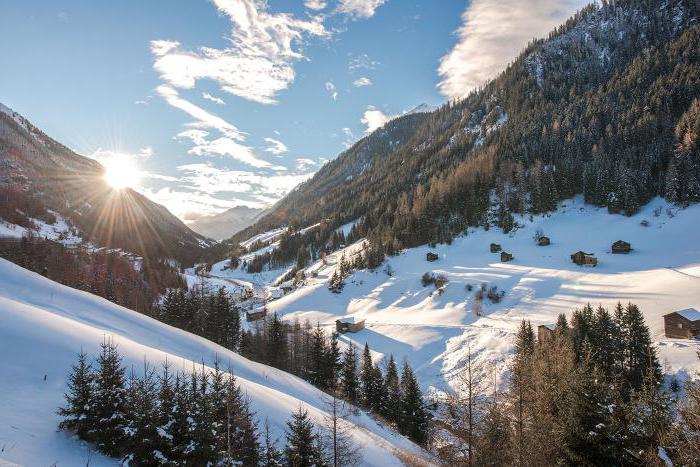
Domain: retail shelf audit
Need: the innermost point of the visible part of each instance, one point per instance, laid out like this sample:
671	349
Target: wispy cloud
358	9
364	81
330	87
257	65
493	32
361	62
214	99
374	118
276	146
315	4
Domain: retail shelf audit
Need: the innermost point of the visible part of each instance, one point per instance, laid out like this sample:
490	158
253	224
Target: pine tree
414	415
78	414
391	408
270	455
110	401
367	379
348	376
640	355
302	442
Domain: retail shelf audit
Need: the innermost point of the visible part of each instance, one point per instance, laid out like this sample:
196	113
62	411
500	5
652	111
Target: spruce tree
110	401
367	379
348	378
270	455
414	415
302	441
142	426
332	363
78	413
391	408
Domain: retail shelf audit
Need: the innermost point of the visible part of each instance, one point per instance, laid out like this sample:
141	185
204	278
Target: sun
121	174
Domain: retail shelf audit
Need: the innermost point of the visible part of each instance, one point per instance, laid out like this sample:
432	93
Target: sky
203	105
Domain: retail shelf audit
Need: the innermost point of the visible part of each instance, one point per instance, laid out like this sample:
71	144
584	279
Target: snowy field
43	326
434	331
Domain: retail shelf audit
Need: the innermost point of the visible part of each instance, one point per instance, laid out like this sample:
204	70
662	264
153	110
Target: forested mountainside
38	174
603	106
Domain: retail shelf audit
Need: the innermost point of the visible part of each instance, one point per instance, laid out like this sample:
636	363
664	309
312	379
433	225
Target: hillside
595	108
434	329
38	174
46	325
226	224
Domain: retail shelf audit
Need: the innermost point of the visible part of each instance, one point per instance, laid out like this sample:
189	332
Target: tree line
588	392
200	417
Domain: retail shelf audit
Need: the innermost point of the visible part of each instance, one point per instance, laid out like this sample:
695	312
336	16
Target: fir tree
270	455
367	378
78	414
302	442
391	408
414	415
110	401
348	378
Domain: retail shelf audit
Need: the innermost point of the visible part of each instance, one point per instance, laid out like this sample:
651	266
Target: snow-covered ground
434	331
43	326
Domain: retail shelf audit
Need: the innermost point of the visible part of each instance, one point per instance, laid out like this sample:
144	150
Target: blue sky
225	102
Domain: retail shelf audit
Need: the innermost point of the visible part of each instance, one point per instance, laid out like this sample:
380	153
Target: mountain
39	175
596	108
226	224
46	325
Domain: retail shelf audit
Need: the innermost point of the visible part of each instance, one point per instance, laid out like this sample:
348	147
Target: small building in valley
543	241
430	256
621	247
584	259
349	324
495	248
683	324
255	314
544	331
505	257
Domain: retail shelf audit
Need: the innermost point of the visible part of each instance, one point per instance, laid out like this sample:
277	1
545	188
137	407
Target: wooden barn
256	314
430	256
505	257
584	259
683	324
349	324
621	247
543	241
544	331
495	248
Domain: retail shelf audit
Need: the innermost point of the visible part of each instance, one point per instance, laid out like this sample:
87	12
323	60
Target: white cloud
330	87
364	81
492	34
374	118
276	146
214	99
102	155
357	9
304	164
349	139
222	146
258	63
362	61
315	4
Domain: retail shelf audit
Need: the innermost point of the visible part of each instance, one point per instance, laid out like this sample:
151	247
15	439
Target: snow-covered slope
43	326
432	330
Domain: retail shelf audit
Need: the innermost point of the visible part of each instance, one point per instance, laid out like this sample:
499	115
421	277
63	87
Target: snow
44	326
264	237
433	330
691	314
347	320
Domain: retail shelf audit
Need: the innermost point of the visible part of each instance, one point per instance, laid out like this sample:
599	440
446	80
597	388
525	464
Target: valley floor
434	331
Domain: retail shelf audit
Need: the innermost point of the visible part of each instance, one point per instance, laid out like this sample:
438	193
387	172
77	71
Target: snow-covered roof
347	320
551	326
691	314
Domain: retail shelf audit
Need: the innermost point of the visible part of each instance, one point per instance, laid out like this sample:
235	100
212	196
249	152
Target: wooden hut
621	247
544	331
256	314
584	259
349	324
543	241
505	257
682	324
430	256
495	248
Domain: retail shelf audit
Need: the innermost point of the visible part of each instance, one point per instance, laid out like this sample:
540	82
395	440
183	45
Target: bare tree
338	438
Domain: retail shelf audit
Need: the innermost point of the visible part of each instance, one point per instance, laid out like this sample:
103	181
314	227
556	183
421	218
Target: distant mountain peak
421	108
